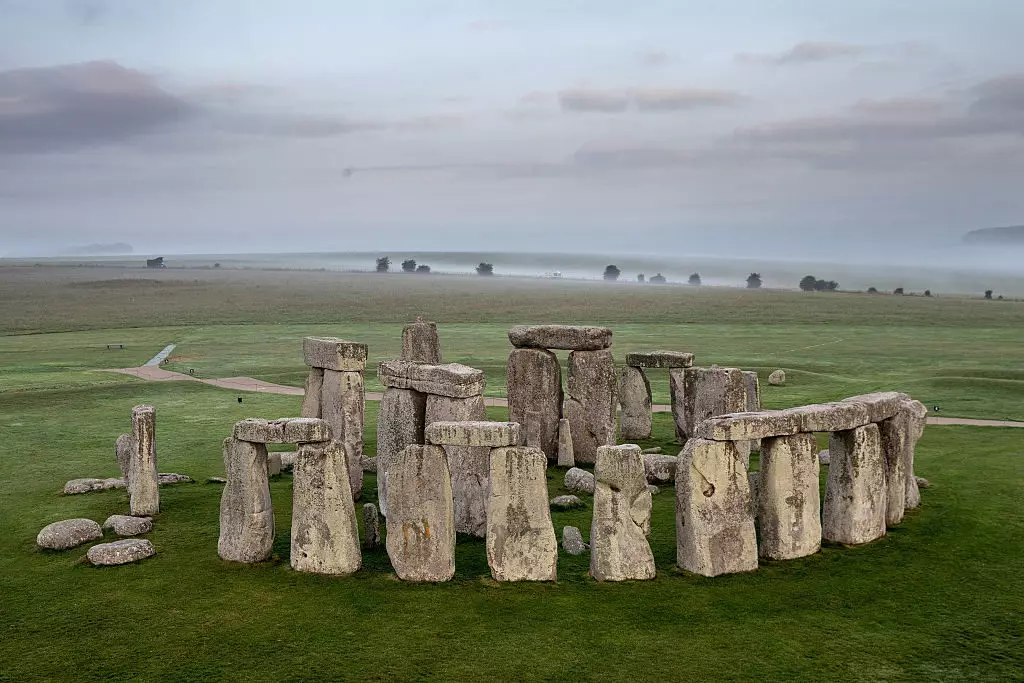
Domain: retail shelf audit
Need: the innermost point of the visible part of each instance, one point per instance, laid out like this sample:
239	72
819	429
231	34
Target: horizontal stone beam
285	430
476	433
659	359
745	426
880	405
453	380
565	337
332	353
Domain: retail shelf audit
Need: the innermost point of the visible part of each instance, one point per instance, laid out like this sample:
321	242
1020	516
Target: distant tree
754	281
640	277
383	264
423	268
611	273
898	291
694	279
988	293
485	269
809	283
872	290
216	265
927	292
658	279
1000	297
409	265
830	286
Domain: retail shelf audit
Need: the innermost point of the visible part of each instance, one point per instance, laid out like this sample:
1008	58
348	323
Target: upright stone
371	526
709	392
590	404
565	450
421	519
676	387
311	397
420	342
469	466
143	481
619	550
855	505
535	384
325	536
714	516
635	399
788	501
521	541
534	429
342	407
895	438
399	424
918	420
332	353
246	511
124	449
753	389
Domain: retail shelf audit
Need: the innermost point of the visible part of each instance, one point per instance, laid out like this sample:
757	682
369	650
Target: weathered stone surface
68	534
565	450
166	478
371	526
831	417
306	430
824	458
777	378
216	480
922	483
895	438
567	337
880	405
535	384
660	469
420	343
143	482
453	380
521	542
710	392
622	517
918	420
273	464
342	406
590	403
125	525
421	518
754	481
746	426
579	480
659	359
855	506
474	433
572	541
469	466
287	460
753	387
635	400
676	388
332	353
653	489
325	535
651	451
246	511
125	551
567	503
311	397
533	430
369	464
714	516
788	502
283	430
124	450
87	485
399	424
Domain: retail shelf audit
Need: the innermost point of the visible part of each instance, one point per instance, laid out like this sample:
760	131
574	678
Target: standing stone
521	541
709	392
894	436
565	452
421	519
124	450
143	480
342	406
274	465
590	402
533	429
619	550
325	537
535	384
420	342
469	466
676	388
659	468
371	526
753	389
399	424
635	399
246	511
311	398
788	501
714	516
918	420
854	509
572	541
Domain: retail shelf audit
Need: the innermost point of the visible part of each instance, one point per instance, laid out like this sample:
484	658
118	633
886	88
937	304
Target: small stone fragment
332	353
565	337
473	433
567	502
167	478
68	534
420	343
622	517
659	359
572	541
452	380
371	526
777	378
660	469
125	525
653	489
922	483
579	480
125	551
824	458
368	464
565	451
216	480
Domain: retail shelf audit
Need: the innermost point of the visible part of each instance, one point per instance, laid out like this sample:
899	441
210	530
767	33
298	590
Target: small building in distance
157	262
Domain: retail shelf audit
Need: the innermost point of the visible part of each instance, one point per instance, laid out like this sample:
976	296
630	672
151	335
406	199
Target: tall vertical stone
635	399
714	516
709	392
421	518
534	429
676	387
420	342
855	504
124	450
590	402
143	481
325	535
895	438
753	387
565	450
535	384
788	501
311	397
342	407
246	511
619	550
371	526
918	418
521	542
399	424
469	466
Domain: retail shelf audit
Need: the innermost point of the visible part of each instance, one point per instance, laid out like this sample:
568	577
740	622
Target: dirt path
155	374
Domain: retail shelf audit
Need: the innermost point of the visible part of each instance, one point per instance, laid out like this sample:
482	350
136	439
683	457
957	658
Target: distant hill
1013	234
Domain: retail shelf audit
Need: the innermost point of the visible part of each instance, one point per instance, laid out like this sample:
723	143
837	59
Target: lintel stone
453	380
659	359
753	425
473	433
564	337
332	353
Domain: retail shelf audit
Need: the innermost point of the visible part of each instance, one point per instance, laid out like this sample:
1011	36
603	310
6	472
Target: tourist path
156	374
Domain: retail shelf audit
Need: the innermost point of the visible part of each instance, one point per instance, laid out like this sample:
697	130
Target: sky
784	128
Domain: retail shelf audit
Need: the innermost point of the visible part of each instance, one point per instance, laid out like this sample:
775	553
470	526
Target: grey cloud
806	53
87	12
1001	96
655	58
580	99
673	99
900	107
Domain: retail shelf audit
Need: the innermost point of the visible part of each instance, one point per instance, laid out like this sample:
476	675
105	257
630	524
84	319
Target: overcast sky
790	127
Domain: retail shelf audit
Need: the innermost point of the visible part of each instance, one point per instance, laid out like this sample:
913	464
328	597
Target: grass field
939	599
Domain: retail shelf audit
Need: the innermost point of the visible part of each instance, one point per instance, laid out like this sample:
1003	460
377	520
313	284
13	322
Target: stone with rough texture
533	430
777	378
659	359
473	433
124	449
325	535
855	506
918	419
788	501
342	407
660	469
469	466
216	480
754	481
824	458
653	489
831	417
369	464
420	343
565	337
87	485
565	452
895	438
572	541
619	550
125	551
922	483
453	380
590	402
283	430
287	460
753	387
371	526
635	400
311	396
331	353
715	531
68	534
246	511
710	392
166	478
273	464
567	502
143	479
676	378
881	405
579	480
421	518
534	383
747	426
521	542
655	450
399	424
126	525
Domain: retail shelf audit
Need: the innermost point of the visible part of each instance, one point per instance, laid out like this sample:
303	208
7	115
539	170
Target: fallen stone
747	426
824	458
76	486
168	478
125	525
788	501
660	469
400	421
534	384
855	507
565	450
590	404
579	480
284	430
831	417
635	400
622	517
68	534
311	396
659	359
124	450
777	378
452	380
420	343
143	480
880	405
342	407
371	526
469	466
521	542
572	541
566	337
653	489
325	535
567	503
475	433
216	480
331	353
369	464
246	510
651	451
125	551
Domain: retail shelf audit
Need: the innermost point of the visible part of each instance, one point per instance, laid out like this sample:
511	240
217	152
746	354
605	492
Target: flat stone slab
126	525
87	485
659	469
579	480
332	353
565	337
125	551
881	405
68	533
754	425
567	502
284	430
831	417
659	359
473	433
453	380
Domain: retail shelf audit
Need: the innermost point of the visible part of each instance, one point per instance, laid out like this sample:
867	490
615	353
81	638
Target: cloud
1002	96
87	12
485	25
580	99
807	53
655	58
673	99
901	107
